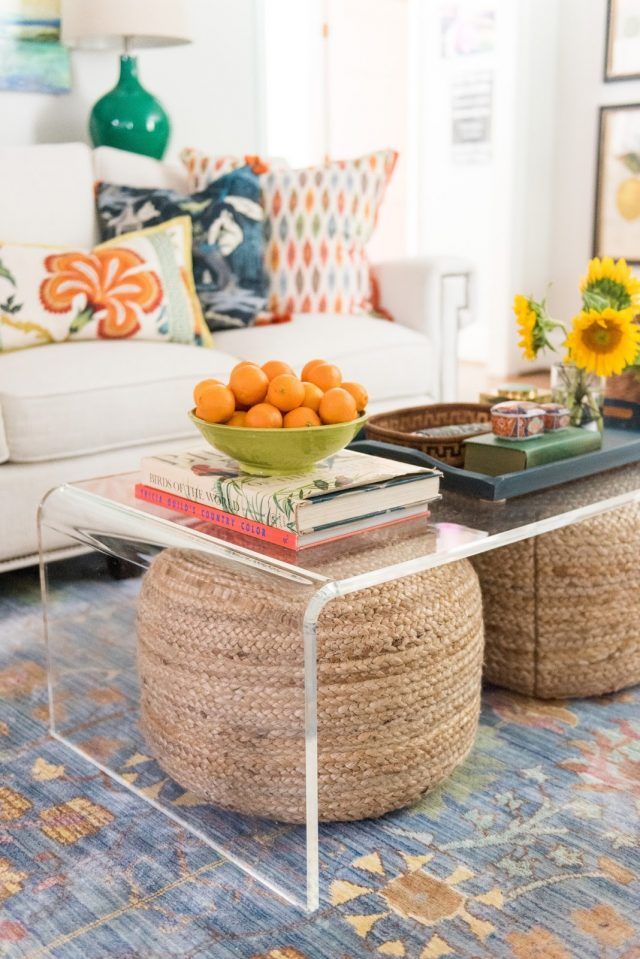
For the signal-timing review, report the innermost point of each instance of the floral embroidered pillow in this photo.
(228, 239)
(136, 287)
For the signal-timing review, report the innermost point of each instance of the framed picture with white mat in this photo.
(617, 208)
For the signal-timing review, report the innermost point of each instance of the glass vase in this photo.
(581, 392)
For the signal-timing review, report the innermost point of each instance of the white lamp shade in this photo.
(105, 24)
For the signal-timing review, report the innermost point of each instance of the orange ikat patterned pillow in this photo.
(139, 285)
(318, 222)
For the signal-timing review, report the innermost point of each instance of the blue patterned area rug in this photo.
(530, 851)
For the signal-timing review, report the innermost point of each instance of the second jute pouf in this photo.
(220, 664)
(562, 610)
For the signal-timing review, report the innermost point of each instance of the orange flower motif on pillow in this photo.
(111, 285)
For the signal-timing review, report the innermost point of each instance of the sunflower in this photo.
(526, 320)
(609, 284)
(604, 342)
(534, 324)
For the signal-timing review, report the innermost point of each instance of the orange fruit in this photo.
(302, 416)
(263, 416)
(248, 384)
(337, 406)
(325, 375)
(312, 396)
(359, 394)
(237, 419)
(200, 387)
(275, 367)
(242, 363)
(306, 369)
(217, 404)
(286, 392)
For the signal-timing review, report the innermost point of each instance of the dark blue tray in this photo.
(619, 447)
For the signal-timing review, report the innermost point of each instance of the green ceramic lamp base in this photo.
(130, 118)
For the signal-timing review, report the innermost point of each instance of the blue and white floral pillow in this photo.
(228, 239)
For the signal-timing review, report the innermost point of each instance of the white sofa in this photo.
(74, 410)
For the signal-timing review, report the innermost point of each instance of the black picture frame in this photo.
(608, 73)
(598, 248)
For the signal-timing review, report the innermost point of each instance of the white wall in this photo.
(580, 91)
(294, 96)
(526, 218)
(457, 206)
(211, 88)
(552, 222)
(369, 103)
(341, 92)
(531, 127)
(495, 212)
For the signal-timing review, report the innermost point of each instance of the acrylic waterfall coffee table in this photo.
(91, 632)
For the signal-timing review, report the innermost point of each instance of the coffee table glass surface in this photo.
(92, 647)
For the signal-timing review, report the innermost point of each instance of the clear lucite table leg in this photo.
(92, 629)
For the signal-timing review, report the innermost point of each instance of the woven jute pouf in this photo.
(562, 610)
(220, 664)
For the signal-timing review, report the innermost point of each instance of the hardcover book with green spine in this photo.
(493, 456)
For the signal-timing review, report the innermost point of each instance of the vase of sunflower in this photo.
(602, 340)
(581, 392)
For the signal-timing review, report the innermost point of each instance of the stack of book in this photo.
(346, 494)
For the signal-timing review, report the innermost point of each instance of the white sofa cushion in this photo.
(4, 446)
(133, 169)
(391, 361)
(46, 195)
(24, 485)
(74, 399)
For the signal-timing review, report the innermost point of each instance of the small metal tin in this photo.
(556, 416)
(517, 421)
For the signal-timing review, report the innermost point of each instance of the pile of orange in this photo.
(271, 396)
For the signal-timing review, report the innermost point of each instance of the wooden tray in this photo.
(619, 447)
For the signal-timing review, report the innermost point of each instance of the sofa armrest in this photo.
(434, 296)
(4, 446)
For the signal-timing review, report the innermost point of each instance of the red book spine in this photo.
(235, 524)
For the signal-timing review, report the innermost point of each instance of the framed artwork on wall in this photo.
(622, 53)
(617, 210)
(32, 59)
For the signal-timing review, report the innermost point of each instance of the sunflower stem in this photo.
(575, 388)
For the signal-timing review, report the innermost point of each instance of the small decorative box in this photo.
(556, 416)
(517, 421)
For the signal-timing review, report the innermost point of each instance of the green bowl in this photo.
(276, 452)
